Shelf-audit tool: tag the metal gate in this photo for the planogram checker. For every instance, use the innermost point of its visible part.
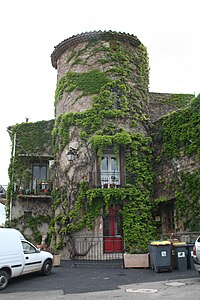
(91, 250)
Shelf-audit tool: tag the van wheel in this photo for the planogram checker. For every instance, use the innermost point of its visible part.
(46, 268)
(4, 277)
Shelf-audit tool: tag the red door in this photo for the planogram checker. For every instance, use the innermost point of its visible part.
(112, 231)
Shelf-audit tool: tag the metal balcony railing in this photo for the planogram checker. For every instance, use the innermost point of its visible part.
(110, 179)
(34, 187)
(114, 179)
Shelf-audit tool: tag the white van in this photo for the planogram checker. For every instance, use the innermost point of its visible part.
(18, 257)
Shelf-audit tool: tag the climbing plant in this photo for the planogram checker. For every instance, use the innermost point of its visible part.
(136, 211)
(179, 139)
(118, 119)
(113, 102)
(31, 142)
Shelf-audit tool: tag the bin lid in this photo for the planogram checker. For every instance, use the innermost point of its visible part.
(160, 243)
(172, 241)
(180, 244)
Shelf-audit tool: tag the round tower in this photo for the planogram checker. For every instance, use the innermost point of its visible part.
(89, 61)
(101, 130)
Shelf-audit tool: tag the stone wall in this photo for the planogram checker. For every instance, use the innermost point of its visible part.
(30, 207)
(161, 104)
(168, 171)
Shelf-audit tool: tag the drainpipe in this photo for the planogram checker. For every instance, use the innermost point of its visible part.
(12, 177)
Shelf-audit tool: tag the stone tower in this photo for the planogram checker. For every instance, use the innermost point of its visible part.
(101, 104)
(121, 57)
(101, 73)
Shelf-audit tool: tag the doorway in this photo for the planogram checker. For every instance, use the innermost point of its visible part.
(112, 231)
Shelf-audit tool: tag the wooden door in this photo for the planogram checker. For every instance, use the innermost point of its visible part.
(112, 232)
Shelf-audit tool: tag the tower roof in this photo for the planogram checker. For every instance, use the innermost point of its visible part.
(84, 37)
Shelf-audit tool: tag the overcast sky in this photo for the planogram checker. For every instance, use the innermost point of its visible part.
(30, 29)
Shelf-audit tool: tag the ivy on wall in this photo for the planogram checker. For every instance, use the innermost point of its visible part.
(187, 200)
(89, 203)
(31, 142)
(89, 83)
(136, 211)
(119, 94)
(179, 138)
(114, 101)
(33, 223)
(138, 148)
(181, 130)
(179, 100)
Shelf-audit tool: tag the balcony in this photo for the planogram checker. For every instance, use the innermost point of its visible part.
(114, 179)
(34, 187)
(110, 179)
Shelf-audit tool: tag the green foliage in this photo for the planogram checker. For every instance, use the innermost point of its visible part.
(181, 130)
(71, 56)
(33, 139)
(114, 100)
(89, 203)
(33, 223)
(187, 201)
(180, 100)
(179, 137)
(139, 162)
(138, 225)
(30, 141)
(98, 126)
(89, 83)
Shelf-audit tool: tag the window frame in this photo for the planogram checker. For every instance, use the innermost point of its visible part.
(110, 177)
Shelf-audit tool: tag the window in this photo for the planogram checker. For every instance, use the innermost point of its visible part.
(28, 248)
(28, 214)
(112, 223)
(168, 217)
(39, 178)
(109, 171)
(115, 95)
(39, 172)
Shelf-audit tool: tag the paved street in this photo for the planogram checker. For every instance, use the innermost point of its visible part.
(104, 282)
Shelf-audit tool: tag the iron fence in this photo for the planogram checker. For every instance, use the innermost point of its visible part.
(98, 250)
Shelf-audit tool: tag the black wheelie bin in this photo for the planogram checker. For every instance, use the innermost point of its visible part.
(160, 256)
